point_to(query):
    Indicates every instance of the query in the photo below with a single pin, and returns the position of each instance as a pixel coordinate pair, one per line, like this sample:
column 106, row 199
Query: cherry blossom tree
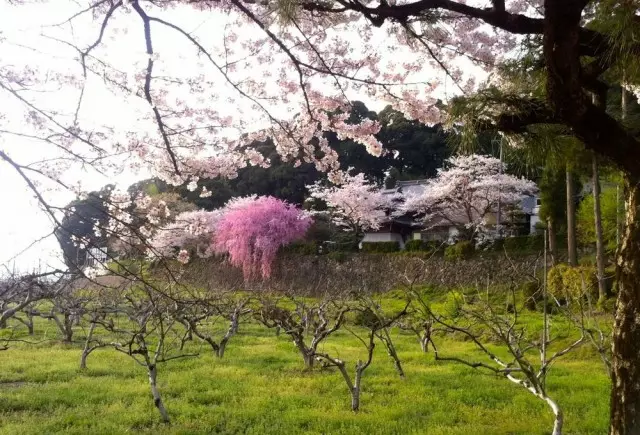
column 355, row 204
column 252, row 230
column 466, row 192
column 189, row 111
column 191, row 232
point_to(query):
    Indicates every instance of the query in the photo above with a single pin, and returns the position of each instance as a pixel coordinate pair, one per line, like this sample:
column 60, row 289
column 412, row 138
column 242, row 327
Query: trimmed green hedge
column 422, row 245
column 380, row 246
column 533, row 242
column 302, row 248
column 459, row 251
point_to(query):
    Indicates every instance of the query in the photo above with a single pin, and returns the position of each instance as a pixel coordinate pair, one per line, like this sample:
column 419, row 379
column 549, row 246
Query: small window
column 538, row 201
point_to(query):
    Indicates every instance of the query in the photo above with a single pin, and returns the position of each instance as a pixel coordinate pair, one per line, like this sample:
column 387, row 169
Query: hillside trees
column 77, row 232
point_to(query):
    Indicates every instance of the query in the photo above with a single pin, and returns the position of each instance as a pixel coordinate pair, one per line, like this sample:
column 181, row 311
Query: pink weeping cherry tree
column 253, row 229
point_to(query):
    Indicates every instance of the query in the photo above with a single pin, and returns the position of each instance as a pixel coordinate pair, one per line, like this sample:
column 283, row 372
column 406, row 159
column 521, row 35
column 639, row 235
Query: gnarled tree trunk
column 157, row 399
column 625, row 367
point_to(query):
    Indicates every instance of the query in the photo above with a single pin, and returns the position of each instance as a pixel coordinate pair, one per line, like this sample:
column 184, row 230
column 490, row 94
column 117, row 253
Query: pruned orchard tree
column 307, row 324
column 530, row 356
column 371, row 323
column 19, row 292
column 143, row 329
column 272, row 59
column 200, row 315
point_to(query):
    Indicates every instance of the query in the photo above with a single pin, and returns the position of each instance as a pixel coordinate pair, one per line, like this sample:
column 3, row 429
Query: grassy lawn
column 260, row 387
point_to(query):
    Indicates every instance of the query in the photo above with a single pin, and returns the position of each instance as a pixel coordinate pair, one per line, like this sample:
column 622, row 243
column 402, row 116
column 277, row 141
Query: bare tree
column 199, row 315
column 372, row 323
column 504, row 327
column 67, row 309
column 314, row 321
column 147, row 334
column 421, row 328
column 92, row 343
column 19, row 292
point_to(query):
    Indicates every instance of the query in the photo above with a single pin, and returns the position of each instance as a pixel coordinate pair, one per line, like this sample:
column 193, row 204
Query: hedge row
column 381, row 247
column 459, row 251
column 422, row 245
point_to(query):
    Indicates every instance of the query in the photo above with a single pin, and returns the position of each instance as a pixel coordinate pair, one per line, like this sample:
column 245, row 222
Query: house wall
column 383, row 237
column 438, row 234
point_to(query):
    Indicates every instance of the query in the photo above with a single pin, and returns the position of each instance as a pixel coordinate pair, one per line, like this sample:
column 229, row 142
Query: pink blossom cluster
column 191, row 232
column 252, row 230
column 355, row 204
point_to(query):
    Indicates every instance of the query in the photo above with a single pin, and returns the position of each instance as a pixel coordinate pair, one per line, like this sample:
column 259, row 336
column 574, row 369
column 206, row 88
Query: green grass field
column 260, row 387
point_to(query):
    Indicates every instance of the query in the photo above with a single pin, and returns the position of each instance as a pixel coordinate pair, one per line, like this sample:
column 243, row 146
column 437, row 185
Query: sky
column 24, row 227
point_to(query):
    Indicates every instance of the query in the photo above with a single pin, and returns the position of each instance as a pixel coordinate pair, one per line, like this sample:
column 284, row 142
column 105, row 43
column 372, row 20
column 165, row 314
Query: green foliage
column 586, row 220
column 301, row 248
column 80, row 217
column 129, row 267
column 572, row 283
column 534, row 242
column 453, row 304
column 422, row 245
column 414, row 245
column 553, row 195
column 460, row 251
column 381, row 247
column 338, row 256
column 530, row 294
column 392, row 178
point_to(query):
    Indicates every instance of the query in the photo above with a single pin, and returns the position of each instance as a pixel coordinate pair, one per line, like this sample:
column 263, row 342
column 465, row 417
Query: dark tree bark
column 625, row 367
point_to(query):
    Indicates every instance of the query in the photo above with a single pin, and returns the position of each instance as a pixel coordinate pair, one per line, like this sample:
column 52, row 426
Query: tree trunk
column 307, row 354
column 157, row 400
column 553, row 245
column 29, row 323
column 558, row 416
column 221, row 348
column 571, row 220
column 602, row 288
column 424, row 342
column 68, row 329
column 355, row 391
column 233, row 329
column 625, row 365
column 87, row 347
